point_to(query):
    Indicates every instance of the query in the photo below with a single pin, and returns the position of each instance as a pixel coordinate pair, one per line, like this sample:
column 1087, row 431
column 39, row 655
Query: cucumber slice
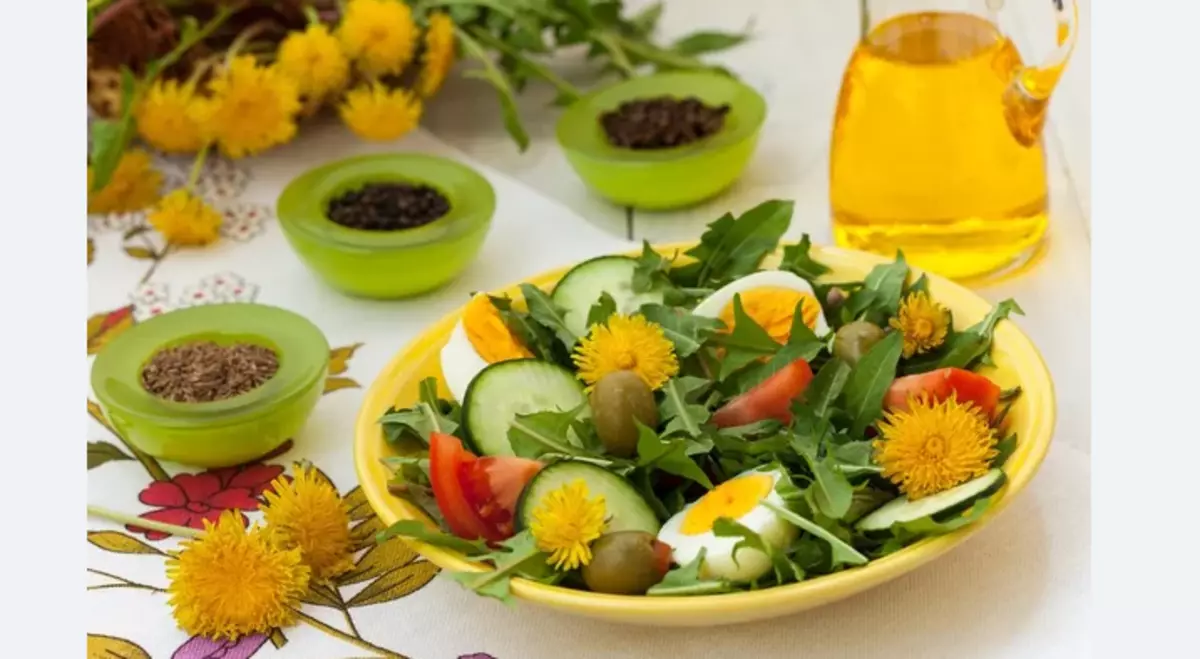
column 582, row 286
column 627, row 510
column 518, row 386
column 900, row 510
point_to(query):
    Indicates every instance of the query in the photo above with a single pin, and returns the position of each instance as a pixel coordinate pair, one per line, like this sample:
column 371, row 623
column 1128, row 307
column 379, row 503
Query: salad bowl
column 1015, row 362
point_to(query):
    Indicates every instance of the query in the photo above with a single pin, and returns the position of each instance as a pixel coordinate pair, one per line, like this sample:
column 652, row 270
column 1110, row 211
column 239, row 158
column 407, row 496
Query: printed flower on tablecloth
column 155, row 299
column 116, row 222
column 189, row 499
column 244, row 221
column 222, row 180
column 199, row 647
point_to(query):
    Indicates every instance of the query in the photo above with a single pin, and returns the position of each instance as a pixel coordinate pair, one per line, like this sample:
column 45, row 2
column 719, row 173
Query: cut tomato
column 967, row 387
column 770, row 399
column 477, row 496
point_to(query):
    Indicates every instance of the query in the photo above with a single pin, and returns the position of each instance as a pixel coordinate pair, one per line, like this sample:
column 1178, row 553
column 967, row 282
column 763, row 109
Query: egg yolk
column 773, row 308
column 732, row 499
column 488, row 334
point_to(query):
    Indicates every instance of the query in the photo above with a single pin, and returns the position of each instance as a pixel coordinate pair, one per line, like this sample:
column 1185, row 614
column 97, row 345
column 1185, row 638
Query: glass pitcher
column 936, row 146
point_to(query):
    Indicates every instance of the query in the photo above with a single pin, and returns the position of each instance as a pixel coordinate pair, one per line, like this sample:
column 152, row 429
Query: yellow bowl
column 1017, row 363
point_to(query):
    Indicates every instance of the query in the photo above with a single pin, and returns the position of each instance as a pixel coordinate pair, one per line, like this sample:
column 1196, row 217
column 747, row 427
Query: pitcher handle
column 1038, row 82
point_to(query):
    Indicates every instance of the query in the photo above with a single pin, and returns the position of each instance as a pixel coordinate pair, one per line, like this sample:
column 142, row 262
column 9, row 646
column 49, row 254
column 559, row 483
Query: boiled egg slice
column 770, row 298
column 479, row 338
column 690, row 531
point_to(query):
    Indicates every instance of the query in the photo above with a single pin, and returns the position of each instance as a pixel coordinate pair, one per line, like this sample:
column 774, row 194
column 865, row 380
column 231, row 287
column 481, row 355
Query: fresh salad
column 695, row 424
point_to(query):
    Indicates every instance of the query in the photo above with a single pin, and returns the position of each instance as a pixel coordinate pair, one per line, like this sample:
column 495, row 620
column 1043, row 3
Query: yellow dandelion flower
column 438, row 57
column 375, row 112
column 231, row 582
column 252, row 108
column 167, row 117
column 933, row 446
column 627, row 343
column 307, row 514
column 565, row 524
column 314, row 60
column 922, row 322
column 184, row 219
column 134, row 185
column 379, row 35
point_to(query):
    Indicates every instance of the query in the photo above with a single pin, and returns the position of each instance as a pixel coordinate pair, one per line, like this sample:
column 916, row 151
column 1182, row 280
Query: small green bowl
column 662, row 179
column 387, row 264
column 224, row 432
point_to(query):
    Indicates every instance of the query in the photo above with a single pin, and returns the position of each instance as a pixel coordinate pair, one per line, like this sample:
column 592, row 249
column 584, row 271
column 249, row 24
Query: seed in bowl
column 388, row 207
column 662, row 122
column 203, row 371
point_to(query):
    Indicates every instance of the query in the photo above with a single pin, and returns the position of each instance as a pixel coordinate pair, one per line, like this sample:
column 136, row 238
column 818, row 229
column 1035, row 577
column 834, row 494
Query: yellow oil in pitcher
column 932, row 152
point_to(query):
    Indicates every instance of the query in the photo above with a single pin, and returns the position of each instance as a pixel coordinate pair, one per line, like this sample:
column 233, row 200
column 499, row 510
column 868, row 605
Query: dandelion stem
column 240, row 41
column 124, row 518
column 198, row 165
column 341, row 635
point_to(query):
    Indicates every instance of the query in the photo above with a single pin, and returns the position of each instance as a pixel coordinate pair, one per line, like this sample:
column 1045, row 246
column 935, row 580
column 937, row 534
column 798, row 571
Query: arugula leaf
column 533, row 335
column 686, row 580
column 796, row 259
column 879, row 297
column 409, row 469
column 921, row 285
column 964, row 348
column 602, row 310
column 532, row 435
column 685, row 330
column 549, row 314
column 801, row 344
column 865, row 500
column 746, row 343
column 410, row 482
column 669, row 455
column 785, row 570
column 732, row 248
column 429, row 415
column 826, row 386
column 421, row 532
column 652, row 270
column 842, row 552
column 854, row 458
column 494, row 76
column 518, row 556
column 869, row 380
column 831, row 490
column 928, row 526
column 1004, row 450
column 698, row 43
column 679, row 409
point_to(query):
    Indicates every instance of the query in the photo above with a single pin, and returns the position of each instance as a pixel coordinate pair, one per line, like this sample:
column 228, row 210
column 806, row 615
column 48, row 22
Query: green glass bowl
column 387, row 264
column 225, row 432
column 661, row 179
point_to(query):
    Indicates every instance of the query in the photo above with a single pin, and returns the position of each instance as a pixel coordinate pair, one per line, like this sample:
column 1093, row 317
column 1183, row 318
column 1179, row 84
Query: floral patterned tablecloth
column 1017, row 588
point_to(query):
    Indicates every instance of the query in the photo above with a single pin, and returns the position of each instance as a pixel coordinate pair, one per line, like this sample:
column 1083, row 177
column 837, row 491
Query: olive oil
column 926, row 154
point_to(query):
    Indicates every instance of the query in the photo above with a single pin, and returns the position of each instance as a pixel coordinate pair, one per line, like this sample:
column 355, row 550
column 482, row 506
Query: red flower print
column 189, row 499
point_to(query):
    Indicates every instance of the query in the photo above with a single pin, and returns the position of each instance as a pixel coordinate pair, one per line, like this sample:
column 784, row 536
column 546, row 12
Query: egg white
column 713, row 305
column 460, row 362
column 718, row 552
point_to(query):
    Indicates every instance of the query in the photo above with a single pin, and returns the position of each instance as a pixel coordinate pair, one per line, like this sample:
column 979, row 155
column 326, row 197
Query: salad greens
column 813, row 411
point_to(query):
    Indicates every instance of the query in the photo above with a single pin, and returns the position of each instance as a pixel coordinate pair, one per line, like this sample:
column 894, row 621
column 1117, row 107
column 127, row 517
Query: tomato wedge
column 477, row 496
column 940, row 385
column 770, row 399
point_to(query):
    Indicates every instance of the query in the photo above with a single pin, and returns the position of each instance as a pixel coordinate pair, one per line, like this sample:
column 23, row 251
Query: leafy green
column 879, row 297
column 831, row 490
column 966, row 347
column 869, row 381
column 686, row 580
column 422, row 532
column 731, row 248
column 429, row 415
column 669, row 455
column 533, row 335
column 746, row 343
column 842, row 552
column 699, row 43
column 785, row 570
column 865, row 500
column 1004, row 450
column 602, row 310
column 854, row 458
column 826, row 386
column 796, row 259
column 549, row 314
column 532, row 435
column 801, row 344
column 928, row 526
column 679, row 410
column 494, row 76
column 652, row 271
column 685, row 330
column 517, row 556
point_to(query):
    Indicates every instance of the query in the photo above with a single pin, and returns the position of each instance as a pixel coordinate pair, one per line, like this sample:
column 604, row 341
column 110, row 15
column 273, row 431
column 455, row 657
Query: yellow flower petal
column 252, row 108
column 167, row 117
column 314, row 60
column 134, row 185
column 923, row 323
column 626, row 343
column 231, row 582
column 379, row 35
column 932, row 446
column 184, row 219
column 438, row 56
column 309, row 515
column 566, row 522
column 377, row 113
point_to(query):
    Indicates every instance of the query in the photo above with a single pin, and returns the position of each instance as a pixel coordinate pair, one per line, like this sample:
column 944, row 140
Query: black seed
column 662, row 122
column 388, row 207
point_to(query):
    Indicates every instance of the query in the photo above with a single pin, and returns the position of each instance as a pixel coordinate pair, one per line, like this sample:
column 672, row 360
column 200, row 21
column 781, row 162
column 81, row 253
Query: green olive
column 626, row 563
column 617, row 399
column 853, row 340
